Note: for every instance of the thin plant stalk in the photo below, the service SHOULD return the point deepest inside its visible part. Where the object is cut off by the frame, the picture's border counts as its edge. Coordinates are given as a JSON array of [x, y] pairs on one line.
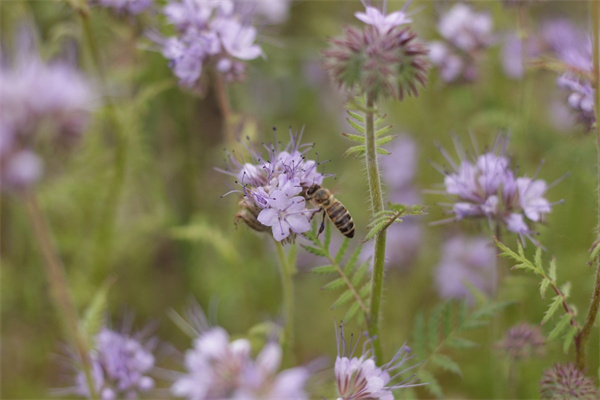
[[376, 194], [220, 87], [60, 294], [287, 269], [582, 337]]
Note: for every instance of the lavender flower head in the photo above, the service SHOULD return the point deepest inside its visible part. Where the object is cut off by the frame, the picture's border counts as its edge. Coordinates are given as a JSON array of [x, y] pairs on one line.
[[39, 102], [486, 187], [382, 59], [565, 381], [120, 366], [211, 34], [466, 261], [272, 188], [465, 34], [219, 368], [132, 7], [523, 341], [361, 378]]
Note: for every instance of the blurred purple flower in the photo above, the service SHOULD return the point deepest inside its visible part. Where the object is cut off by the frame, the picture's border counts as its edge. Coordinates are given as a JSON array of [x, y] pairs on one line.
[[272, 188], [523, 341], [48, 102], [218, 368], [566, 381], [121, 364], [465, 34], [210, 33], [466, 260], [132, 7], [361, 378], [514, 57], [372, 16], [487, 188]]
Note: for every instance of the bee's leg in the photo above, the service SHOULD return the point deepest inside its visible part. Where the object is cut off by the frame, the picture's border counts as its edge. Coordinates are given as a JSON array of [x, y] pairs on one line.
[[322, 227]]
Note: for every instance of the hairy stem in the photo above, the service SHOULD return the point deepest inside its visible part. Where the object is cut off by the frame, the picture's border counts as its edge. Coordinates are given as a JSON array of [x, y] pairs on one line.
[[220, 87], [59, 289], [107, 217], [583, 335], [287, 269], [374, 179]]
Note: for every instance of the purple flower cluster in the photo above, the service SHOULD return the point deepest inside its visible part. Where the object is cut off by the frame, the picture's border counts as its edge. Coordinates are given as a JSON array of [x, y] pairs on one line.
[[272, 189], [381, 59], [218, 368], [465, 33], [566, 381], [120, 364], [132, 7], [361, 378], [486, 187], [210, 33], [39, 102], [523, 341], [466, 260]]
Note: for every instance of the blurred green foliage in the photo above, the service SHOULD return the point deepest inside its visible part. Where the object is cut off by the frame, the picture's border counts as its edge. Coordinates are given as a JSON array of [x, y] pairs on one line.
[[172, 237]]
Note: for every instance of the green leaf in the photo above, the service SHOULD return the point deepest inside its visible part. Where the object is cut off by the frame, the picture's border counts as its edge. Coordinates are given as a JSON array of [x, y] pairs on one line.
[[460, 343], [594, 253], [343, 299], [351, 313], [447, 319], [569, 337], [356, 116], [365, 290], [552, 308], [382, 131], [445, 362], [354, 138], [432, 384], [325, 269], [356, 125], [357, 150], [566, 289], [385, 140], [383, 151], [552, 272], [335, 284], [94, 313], [315, 251], [350, 265], [543, 287], [360, 273], [538, 259], [433, 328], [342, 251], [559, 327]]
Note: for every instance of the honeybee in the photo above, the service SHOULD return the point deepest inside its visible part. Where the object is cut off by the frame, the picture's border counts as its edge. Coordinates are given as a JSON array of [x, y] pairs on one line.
[[336, 211]]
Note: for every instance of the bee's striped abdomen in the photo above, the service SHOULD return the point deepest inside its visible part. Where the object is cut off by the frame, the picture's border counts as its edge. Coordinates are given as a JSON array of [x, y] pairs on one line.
[[341, 218]]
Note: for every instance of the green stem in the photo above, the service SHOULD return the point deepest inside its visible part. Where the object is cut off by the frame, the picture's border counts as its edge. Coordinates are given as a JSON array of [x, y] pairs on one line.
[[583, 335], [287, 269], [61, 297], [107, 219], [220, 87], [374, 179]]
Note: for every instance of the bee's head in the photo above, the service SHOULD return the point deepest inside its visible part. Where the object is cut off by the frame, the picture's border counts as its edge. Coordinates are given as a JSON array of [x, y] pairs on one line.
[[311, 190]]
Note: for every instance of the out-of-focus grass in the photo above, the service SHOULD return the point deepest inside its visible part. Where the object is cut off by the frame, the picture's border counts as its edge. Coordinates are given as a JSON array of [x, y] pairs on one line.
[[173, 143]]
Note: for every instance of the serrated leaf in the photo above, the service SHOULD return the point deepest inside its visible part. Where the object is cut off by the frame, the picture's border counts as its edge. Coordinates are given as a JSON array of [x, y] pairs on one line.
[[354, 138], [433, 327], [552, 271], [365, 290], [552, 308], [459, 343], [94, 313], [325, 269], [445, 362], [356, 125], [538, 259], [559, 327], [385, 140], [383, 131], [342, 251], [357, 150], [594, 253], [432, 384], [520, 249], [335, 284], [544, 284], [351, 313], [383, 151], [351, 264], [566, 289], [447, 319], [569, 337], [356, 116], [315, 251], [419, 345], [462, 313], [342, 299], [360, 273]]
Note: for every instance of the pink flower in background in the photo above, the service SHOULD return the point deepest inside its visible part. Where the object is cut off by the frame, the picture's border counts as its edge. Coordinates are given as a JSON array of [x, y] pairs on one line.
[[372, 16]]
